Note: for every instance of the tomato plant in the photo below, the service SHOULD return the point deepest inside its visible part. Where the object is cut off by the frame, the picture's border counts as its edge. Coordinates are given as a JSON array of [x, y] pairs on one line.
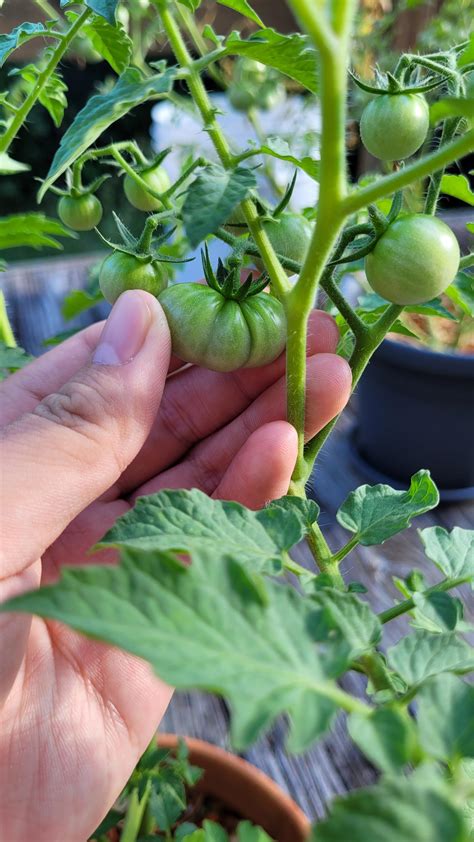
[[414, 261], [231, 621], [394, 126], [81, 213]]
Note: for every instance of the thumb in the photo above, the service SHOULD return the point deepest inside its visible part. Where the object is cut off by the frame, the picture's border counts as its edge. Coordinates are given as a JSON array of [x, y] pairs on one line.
[[77, 442]]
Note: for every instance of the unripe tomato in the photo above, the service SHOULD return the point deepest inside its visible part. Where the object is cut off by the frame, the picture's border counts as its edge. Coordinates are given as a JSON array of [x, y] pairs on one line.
[[394, 126], [414, 261], [157, 178], [289, 235], [220, 333], [241, 97], [121, 271], [81, 213]]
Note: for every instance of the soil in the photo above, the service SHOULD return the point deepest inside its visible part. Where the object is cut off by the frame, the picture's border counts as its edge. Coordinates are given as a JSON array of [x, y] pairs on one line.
[[201, 807]]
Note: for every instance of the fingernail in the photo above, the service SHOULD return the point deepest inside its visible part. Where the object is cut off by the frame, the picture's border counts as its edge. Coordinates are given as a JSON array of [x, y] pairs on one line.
[[124, 331]]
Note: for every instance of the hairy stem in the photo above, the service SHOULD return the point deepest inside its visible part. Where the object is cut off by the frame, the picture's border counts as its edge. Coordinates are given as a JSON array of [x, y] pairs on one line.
[[6, 332], [408, 604]]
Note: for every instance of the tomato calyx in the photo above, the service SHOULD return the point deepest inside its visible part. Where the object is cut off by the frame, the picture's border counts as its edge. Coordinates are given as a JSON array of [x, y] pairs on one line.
[[388, 83], [146, 247], [226, 280]]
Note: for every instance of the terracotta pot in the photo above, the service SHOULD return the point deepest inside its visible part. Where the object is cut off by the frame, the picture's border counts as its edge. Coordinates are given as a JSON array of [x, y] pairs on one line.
[[245, 789]]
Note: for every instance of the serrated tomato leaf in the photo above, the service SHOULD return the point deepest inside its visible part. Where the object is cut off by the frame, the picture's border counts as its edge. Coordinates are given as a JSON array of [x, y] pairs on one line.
[[387, 737], [392, 811], [376, 512], [12, 40], [106, 8], [293, 55], [452, 552], [211, 197], [112, 42], [421, 655], [243, 8], [191, 522], [31, 229], [205, 626], [445, 715], [349, 617]]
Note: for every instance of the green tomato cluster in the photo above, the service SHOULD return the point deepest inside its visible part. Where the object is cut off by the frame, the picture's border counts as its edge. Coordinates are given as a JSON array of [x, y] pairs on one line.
[[395, 126], [121, 271], [414, 261], [222, 334], [255, 86], [290, 235]]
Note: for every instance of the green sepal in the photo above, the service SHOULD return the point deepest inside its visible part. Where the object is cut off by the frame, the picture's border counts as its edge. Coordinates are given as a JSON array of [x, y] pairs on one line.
[[226, 279]]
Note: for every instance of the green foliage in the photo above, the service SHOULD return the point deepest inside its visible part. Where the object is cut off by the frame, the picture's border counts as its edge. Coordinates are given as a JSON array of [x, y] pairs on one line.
[[100, 112], [111, 42], [12, 359], [422, 655], [20, 35], [452, 552], [33, 230], [375, 513], [104, 8], [211, 198], [292, 55], [445, 712]]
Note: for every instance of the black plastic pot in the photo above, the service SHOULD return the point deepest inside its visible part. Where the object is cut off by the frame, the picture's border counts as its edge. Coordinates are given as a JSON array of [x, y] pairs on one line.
[[416, 410]]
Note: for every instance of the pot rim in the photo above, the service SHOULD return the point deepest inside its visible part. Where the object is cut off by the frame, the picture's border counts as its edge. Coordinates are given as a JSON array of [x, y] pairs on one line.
[[426, 360], [203, 752]]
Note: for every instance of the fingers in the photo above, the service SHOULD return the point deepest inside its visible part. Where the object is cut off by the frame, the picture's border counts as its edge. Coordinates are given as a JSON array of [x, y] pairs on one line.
[[329, 380], [261, 470], [75, 444], [198, 402]]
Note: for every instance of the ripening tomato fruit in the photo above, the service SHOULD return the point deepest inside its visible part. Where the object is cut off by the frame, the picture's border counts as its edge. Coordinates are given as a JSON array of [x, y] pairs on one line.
[[414, 260], [223, 334], [157, 178], [394, 126], [289, 235], [81, 213], [121, 271]]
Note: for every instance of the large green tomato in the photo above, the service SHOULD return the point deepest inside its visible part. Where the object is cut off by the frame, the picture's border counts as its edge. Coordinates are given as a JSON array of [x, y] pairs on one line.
[[220, 333], [394, 126], [121, 271], [289, 235], [157, 178], [414, 261], [81, 213]]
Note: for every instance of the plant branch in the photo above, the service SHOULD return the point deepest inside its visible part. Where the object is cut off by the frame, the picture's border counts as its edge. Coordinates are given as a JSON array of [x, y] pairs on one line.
[[408, 604], [6, 332], [421, 168]]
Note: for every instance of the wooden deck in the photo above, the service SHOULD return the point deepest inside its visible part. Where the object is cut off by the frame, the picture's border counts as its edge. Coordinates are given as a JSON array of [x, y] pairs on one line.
[[34, 293]]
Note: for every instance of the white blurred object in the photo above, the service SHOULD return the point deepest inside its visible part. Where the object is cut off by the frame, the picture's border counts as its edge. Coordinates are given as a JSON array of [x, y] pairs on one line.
[[296, 120]]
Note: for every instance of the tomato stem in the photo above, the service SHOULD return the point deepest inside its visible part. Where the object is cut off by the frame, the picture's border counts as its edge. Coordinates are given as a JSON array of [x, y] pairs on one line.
[[6, 331]]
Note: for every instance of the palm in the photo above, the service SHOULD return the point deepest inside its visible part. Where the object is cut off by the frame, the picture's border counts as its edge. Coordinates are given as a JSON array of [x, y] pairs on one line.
[[80, 713]]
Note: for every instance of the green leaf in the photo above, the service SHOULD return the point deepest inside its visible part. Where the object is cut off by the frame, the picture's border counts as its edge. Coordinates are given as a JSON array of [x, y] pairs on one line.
[[459, 187], [247, 832], [376, 512], [436, 612], [12, 359], [100, 112], [191, 522], [167, 802], [53, 98], [211, 197], [451, 107], [112, 42], [402, 810], [467, 55], [461, 292], [373, 303], [278, 148], [292, 55], [452, 552], [8, 166], [111, 820], [243, 8], [306, 510], [78, 301], [18, 36], [105, 8], [445, 715], [350, 617], [31, 229], [206, 627], [387, 737], [421, 655]]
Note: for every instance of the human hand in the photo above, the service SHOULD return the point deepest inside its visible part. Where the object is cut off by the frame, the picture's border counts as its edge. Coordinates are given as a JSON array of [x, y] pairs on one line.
[[81, 440]]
